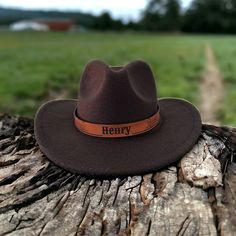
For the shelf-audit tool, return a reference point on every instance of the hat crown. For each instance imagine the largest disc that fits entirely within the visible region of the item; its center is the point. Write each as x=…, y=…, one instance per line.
x=115, y=95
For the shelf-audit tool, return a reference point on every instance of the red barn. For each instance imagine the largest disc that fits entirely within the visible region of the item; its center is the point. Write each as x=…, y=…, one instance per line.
x=56, y=24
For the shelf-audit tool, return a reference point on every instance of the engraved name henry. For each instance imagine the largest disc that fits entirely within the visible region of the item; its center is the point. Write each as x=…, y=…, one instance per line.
x=113, y=131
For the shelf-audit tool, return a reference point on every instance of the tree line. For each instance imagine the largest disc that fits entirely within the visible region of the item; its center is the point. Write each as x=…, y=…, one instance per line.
x=201, y=16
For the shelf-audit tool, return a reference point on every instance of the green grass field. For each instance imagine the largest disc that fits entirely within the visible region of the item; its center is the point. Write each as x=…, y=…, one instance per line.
x=225, y=52
x=33, y=66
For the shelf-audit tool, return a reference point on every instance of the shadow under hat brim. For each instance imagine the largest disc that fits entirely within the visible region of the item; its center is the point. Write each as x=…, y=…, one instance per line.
x=72, y=150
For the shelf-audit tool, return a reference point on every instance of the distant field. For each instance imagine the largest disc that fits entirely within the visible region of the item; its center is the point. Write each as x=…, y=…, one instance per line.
x=225, y=52
x=35, y=67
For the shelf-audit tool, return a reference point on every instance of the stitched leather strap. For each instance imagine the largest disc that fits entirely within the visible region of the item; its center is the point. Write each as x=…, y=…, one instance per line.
x=116, y=130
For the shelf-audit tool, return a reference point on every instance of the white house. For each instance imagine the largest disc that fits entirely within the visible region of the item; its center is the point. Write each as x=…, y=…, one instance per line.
x=28, y=25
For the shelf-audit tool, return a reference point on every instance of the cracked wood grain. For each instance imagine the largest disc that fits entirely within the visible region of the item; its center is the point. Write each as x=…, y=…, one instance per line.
x=196, y=196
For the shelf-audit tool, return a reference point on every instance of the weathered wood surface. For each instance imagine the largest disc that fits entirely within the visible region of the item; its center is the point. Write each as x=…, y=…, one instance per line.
x=196, y=196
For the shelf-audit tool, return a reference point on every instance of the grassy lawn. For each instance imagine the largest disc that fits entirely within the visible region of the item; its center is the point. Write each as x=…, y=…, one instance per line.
x=225, y=52
x=34, y=64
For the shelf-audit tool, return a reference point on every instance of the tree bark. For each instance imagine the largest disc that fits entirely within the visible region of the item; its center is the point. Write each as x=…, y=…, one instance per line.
x=196, y=196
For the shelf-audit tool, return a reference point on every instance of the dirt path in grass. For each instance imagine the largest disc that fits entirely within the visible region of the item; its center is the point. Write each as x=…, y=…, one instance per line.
x=211, y=89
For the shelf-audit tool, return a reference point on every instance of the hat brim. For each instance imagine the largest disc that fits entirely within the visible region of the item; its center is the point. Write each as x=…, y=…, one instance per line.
x=72, y=150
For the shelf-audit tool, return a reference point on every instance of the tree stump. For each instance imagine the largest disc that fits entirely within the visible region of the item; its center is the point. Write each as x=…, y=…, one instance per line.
x=196, y=196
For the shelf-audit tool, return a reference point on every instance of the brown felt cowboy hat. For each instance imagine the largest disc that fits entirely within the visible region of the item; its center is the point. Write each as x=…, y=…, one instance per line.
x=118, y=126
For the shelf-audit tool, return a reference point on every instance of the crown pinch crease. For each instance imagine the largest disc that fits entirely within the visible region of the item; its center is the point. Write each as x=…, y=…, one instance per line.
x=117, y=130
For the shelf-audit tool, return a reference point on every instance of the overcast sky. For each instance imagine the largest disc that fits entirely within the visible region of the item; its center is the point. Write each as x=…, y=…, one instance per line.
x=125, y=9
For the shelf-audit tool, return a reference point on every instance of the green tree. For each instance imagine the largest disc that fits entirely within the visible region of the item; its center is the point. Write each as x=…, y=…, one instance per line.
x=229, y=16
x=210, y=16
x=104, y=21
x=162, y=15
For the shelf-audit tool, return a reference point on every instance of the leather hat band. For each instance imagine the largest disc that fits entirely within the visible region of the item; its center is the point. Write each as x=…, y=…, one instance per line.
x=116, y=130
